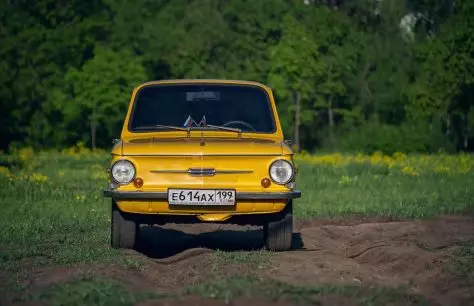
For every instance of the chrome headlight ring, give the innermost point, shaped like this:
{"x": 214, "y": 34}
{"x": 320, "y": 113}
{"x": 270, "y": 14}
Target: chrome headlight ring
{"x": 281, "y": 172}
{"x": 123, "y": 172}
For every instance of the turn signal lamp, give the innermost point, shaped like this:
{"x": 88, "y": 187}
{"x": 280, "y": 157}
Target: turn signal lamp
{"x": 266, "y": 182}
{"x": 138, "y": 182}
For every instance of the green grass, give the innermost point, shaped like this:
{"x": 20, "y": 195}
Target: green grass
{"x": 257, "y": 259}
{"x": 88, "y": 291}
{"x": 463, "y": 263}
{"x": 231, "y": 288}
{"x": 66, "y": 220}
{"x": 53, "y": 213}
{"x": 60, "y": 221}
{"x": 377, "y": 191}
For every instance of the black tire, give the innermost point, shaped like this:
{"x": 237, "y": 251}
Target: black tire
{"x": 124, "y": 231}
{"x": 278, "y": 231}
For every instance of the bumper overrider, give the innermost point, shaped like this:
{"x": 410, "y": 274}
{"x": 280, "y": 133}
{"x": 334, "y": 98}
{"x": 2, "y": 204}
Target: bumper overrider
{"x": 134, "y": 195}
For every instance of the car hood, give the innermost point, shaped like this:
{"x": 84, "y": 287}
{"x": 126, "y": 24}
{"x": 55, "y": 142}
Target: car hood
{"x": 201, "y": 146}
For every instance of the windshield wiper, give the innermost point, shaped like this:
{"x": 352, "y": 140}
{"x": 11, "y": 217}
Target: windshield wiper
{"x": 160, "y": 126}
{"x": 188, "y": 129}
{"x": 225, "y": 128}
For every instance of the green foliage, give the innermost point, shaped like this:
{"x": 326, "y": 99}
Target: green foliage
{"x": 67, "y": 70}
{"x": 445, "y": 86}
{"x": 407, "y": 137}
{"x": 100, "y": 90}
{"x": 295, "y": 68}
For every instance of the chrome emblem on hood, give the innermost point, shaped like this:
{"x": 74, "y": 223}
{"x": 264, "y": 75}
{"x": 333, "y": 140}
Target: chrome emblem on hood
{"x": 202, "y": 171}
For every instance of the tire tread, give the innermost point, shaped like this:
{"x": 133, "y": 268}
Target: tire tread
{"x": 278, "y": 231}
{"x": 124, "y": 231}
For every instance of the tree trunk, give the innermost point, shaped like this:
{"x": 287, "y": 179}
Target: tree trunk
{"x": 297, "y": 120}
{"x": 93, "y": 133}
{"x": 448, "y": 125}
{"x": 466, "y": 130}
{"x": 331, "y": 122}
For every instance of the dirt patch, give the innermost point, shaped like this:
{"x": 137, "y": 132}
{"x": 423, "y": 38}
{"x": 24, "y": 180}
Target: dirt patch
{"x": 246, "y": 301}
{"x": 414, "y": 254}
{"x": 199, "y": 301}
{"x": 45, "y": 277}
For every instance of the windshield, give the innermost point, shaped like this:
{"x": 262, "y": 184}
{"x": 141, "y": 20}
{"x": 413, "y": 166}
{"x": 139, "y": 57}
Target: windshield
{"x": 197, "y": 106}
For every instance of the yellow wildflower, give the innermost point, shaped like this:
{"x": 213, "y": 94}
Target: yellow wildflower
{"x": 25, "y": 154}
{"x": 387, "y": 160}
{"x": 441, "y": 169}
{"x": 360, "y": 158}
{"x": 5, "y": 171}
{"x": 399, "y": 156}
{"x": 376, "y": 157}
{"x": 407, "y": 164}
{"x": 38, "y": 178}
{"x": 347, "y": 180}
{"x": 80, "y": 198}
{"x": 410, "y": 170}
{"x": 464, "y": 169}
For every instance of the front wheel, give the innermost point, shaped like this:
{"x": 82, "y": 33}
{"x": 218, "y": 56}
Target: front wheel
{"x": 278, "y": 231}
{"x": 124, "y": 232}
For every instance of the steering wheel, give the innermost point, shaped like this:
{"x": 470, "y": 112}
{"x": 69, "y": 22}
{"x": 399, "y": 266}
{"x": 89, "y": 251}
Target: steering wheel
{"x": 238, "y": 122}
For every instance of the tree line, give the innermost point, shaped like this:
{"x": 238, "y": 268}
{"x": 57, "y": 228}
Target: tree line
{"x": 362, "y": 75}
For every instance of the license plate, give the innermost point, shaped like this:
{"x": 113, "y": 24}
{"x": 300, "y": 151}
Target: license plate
{"x": 201, "y": 197}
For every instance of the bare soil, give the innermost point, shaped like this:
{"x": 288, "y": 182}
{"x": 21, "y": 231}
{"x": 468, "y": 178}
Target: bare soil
{"x": 361, "y": 252}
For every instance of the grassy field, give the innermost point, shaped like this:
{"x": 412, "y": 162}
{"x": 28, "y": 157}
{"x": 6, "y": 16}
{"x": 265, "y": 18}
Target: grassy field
{"x": 53, "y": 212}
{"x": 399, "y": 186}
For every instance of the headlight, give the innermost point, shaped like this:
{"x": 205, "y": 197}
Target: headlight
{"x": 123, "y": 172}
{"x": 281, "y": 171}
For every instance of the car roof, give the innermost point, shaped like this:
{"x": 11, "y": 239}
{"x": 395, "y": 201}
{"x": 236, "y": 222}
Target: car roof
{"x": 206, "y": 81}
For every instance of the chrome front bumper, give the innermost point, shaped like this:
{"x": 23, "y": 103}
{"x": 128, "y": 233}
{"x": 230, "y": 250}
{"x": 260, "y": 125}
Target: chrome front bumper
{"x": 134, "y": 195}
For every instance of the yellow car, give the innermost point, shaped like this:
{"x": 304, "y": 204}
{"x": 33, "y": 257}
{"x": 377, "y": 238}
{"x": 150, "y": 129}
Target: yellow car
{"x": 202, "y": 151}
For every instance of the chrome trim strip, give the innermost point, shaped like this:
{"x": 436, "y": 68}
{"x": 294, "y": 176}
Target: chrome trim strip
{"x": 131, "y": 195}
{"x": 200, "y": 155}
{"x": 169, "y": 171}
{"x": 268, "y": 196}
{"x": 197, "y": 172}
{"x": 202, "y": 171}
{"x": 233, "y": 171}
